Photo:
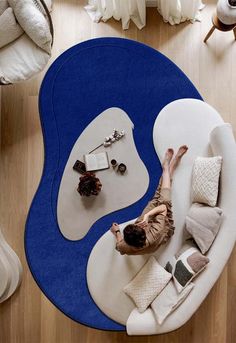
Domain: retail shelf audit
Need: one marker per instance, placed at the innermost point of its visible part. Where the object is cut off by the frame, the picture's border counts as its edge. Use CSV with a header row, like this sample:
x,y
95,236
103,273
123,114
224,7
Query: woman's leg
x,y
165,181
176,160
165,185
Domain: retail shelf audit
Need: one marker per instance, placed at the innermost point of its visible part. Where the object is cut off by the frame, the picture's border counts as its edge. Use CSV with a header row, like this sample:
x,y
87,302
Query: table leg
x,y
209,33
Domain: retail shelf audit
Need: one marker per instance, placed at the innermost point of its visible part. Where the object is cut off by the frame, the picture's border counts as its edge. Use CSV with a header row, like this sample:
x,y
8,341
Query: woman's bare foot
x,y
175,161
168,157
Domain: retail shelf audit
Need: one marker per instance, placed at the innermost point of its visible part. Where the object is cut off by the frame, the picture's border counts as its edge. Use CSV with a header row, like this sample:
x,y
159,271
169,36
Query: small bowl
x,y
122,168
114,163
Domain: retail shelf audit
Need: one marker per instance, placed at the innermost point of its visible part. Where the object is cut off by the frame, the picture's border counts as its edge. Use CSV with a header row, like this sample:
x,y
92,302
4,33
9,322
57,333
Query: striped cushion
x,y
186,265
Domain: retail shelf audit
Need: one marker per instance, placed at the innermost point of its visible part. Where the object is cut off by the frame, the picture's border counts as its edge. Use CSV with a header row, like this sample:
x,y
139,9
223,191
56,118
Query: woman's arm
x,y
115,229
119,237
157,210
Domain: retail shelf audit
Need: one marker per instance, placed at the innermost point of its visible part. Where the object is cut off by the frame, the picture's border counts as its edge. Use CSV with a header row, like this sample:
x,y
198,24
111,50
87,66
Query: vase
x,y
226,13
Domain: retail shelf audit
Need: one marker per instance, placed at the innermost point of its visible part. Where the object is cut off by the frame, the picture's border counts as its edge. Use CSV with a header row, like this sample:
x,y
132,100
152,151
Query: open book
x,y
96,161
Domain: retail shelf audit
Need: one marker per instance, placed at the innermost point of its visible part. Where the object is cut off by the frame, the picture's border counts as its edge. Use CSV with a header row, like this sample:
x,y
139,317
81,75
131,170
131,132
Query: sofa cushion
x,y
168,300
3,6
147,284
203,223
9,28
20,60
186,265
33,22
205,179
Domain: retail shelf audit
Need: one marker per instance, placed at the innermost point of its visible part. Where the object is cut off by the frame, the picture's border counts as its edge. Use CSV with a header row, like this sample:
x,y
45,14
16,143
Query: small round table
x,y
217,24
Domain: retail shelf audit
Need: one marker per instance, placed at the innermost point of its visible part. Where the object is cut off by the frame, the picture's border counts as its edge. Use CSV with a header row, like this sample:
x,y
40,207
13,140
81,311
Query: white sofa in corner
x,y
195,123
22,59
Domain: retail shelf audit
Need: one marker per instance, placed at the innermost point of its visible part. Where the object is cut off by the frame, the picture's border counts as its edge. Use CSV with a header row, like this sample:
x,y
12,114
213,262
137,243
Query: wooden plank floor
x,y
28,317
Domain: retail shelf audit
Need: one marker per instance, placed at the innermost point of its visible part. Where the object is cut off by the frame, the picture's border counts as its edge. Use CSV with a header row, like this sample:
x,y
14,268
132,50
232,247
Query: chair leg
x,y
234,32
209,33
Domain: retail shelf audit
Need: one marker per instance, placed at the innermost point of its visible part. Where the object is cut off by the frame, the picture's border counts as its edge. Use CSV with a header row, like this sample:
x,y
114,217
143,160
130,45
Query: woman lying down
x,y
155,226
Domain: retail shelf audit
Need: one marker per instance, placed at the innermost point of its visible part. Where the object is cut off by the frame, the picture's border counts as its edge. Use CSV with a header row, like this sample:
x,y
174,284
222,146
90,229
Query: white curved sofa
x,y
195,123
22,59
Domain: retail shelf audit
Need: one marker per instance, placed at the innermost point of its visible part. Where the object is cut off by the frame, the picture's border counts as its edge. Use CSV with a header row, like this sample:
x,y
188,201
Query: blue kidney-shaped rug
x,y
83,82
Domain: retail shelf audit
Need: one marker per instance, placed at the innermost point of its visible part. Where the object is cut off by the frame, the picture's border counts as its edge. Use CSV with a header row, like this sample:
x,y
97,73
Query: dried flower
x,y
109,140
114,137
89,185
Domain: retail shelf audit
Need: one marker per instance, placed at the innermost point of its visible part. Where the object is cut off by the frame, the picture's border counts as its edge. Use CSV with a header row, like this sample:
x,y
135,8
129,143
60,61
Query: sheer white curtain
x,y
177,11
125,10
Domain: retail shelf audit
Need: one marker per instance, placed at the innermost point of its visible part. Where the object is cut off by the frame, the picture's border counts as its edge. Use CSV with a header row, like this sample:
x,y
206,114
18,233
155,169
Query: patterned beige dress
x,y
159,228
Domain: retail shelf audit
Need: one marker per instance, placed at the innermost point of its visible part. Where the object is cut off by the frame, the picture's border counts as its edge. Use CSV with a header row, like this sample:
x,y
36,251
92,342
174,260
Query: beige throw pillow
x,y
9,28
168,301
203,223
33,22
147,284
205,179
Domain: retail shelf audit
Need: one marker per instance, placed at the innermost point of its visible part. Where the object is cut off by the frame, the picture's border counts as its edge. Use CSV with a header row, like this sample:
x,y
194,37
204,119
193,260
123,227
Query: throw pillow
x,y
33,22
203,223
168,300
205,179
147,284
9,29
186,265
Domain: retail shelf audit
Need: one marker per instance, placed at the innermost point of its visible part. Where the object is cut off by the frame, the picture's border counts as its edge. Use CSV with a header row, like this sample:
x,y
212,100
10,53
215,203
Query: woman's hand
x,y
145,220
114,228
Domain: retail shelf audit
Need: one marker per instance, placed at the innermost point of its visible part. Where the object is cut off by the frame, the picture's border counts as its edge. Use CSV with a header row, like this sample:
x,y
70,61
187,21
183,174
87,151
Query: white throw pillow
x,y
205,179
147,284
9,29
168,300
3,6
33,22
21,60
